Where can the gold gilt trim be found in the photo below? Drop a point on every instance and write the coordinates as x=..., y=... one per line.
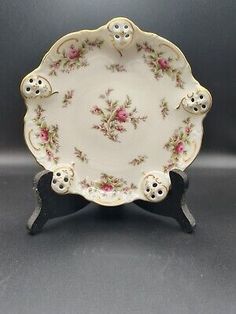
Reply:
x=193, y=153
x=67, y=40
x=172, y=49
x=30, y=140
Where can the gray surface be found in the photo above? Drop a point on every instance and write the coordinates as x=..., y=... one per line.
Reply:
x=108, y=261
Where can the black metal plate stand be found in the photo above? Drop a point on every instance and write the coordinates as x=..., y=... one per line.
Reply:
x=51, y=205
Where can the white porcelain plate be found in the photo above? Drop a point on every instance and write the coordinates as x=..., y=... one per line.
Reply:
x=112, y=111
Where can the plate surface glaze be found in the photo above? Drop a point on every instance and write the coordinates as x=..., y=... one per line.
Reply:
x=112, y=111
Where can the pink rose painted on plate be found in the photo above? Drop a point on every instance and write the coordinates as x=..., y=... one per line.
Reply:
x=160, y=63
x=115, y=117
x=73, y=53
x=187, y=130
x=44, y=135
x=178, y=144
x=47, y=134
x=108, y=183
x=107, y=187
x=73, y=57
x=164, y=64
x=179, y=148
x=121, y=115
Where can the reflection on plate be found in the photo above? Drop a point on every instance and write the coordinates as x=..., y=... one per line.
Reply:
x=112, y=111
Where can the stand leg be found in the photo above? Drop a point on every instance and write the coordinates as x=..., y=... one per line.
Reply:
x=50, y=204
x=36, y=221
x=186, y=219
x=174, y=205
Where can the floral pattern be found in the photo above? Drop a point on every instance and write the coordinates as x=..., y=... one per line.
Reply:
x=80, y=155
x=160, y=64
x=67, y=98
x=47, y=134
x=108, y=183
x=164, y=108
x=138, y=160
x=114, y=116
x=129, y=58
x=116, y=67
x=74, y=56
x=178, y=144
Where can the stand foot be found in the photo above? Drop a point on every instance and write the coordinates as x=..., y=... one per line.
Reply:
x=50, y=204
x=174, y=205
